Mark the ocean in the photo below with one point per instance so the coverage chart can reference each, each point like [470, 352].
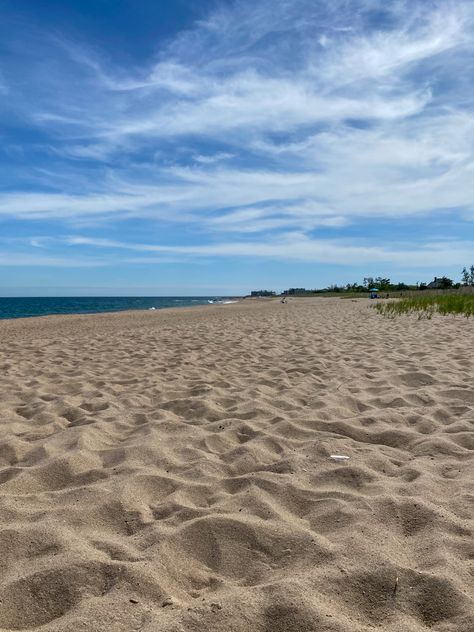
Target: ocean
[45, 306]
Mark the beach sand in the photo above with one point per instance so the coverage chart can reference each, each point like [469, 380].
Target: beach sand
[170, 471]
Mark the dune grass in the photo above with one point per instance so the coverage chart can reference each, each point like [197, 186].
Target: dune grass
[426, 306]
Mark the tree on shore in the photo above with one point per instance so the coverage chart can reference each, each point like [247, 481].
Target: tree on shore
[379, 282]
[445, 283]
[468, 276]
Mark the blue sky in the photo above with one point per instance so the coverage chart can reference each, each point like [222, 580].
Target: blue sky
[216, 147]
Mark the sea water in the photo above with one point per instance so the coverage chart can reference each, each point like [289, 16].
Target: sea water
[45, 306]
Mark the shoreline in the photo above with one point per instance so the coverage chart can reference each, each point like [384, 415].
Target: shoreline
[119, 311]
[247, 300]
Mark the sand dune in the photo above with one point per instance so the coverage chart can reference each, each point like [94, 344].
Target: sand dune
[171, 471]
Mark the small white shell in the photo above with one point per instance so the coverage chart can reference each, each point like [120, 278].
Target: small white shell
[339, 457]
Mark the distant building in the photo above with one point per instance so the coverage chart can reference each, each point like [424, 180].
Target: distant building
[295, 290]
[436, 284]
[255, 293]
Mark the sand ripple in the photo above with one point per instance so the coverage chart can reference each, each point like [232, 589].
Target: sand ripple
[170, 471]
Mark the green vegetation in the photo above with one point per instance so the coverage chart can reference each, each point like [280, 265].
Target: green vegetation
[385, 287]
[426, 306]
[467, 276]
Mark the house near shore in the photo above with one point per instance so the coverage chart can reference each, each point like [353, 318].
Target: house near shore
[436, 284]
[256, 293]
[295, 291]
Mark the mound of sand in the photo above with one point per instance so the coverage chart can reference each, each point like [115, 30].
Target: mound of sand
[171, 471]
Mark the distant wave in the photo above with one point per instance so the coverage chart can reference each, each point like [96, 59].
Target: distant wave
[222, 301]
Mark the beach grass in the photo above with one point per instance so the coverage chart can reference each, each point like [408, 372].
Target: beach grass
[426, 306]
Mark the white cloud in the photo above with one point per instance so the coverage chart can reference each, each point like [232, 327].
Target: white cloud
[422, 35]
[209, 159]
[16, 259]
[289, 116]
[299, 247]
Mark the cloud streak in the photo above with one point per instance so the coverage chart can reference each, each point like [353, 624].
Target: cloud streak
[260, 121]
[298, 247]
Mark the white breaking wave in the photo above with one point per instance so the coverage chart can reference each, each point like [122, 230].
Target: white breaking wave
[217, 301]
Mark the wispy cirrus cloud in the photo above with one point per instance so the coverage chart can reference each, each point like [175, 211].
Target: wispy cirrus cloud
[27, 260]
[260, 122]
[300, 247]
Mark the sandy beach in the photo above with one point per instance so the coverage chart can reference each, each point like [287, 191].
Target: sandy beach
[171, 470]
